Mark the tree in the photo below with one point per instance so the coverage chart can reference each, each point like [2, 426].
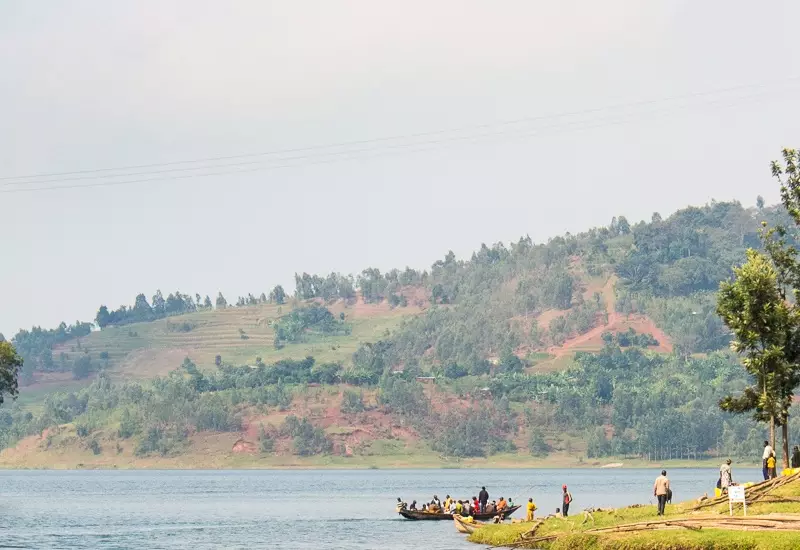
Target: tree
[159, 304]
[278, 295]
[207, 303]
[103, 317]
[222, 303]
[760, 203]
[10, 365]
[762, 324]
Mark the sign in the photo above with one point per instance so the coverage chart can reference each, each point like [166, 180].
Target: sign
[736, 494]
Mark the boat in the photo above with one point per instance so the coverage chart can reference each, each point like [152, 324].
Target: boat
[466, 527]
[420, 515]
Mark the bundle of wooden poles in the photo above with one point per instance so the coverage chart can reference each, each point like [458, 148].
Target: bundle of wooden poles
[755, 493]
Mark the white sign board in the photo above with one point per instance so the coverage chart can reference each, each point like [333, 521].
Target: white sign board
[736, 494]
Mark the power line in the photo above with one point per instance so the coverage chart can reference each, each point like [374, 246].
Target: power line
[394, 138]
[357, 154]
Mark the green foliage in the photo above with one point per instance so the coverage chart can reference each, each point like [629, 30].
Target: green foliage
[10, 364]
[472, 432]
[142, 311]
[404, 397]
[265, 442]
[352, 402]
[129, 424]
[307, 440]
[313, 318]
[537, 445]
[163, 441]
[82, 366]
[629, 338]
[94, 446]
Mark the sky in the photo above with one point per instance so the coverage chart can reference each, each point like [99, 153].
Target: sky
[569, 113]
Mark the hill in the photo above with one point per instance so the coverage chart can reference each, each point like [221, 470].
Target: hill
[600, 344]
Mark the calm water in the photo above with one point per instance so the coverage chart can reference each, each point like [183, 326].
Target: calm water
[295, 509]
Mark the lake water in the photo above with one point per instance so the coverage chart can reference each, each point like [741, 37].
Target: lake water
[319, 509]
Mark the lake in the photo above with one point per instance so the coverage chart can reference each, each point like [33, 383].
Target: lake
[298, 509]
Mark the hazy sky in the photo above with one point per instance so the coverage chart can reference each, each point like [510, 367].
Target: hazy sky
[96, 84]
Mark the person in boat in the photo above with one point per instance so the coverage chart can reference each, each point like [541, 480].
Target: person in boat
[458, 508]
[425, 507]
[483, 498]
[490, 509]
[796, 457]
[413, 505]
[510, 503]
[476, 506]
[501, 504]
[725, 476]
[437, 502]
[447, 502]
[566, 499]
[433, 508]
[400, 504]
[531, 508]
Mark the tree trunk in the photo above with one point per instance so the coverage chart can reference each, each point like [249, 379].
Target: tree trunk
[772, 431]
[785, 434]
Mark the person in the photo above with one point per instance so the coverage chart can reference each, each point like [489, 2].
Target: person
[510, 503]
[772, 472]
[725, 476]
[660, 490]
[425, 507]
[434, 508]
[458, 507]
[413, 505]
[400, 504]
[566, 499]
[437, 502]
[501, 504]
[483, 498]
[476, 506]
[531, 508]
[447, 502]
[796, 457]
[767, 452]
[491, 508]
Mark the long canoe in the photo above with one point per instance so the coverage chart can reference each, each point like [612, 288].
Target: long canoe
[464, 526]
[420, 515]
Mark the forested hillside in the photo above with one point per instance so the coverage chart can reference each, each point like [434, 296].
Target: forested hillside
[597, 344]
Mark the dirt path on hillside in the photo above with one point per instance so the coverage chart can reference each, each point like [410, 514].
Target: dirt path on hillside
[613, 319]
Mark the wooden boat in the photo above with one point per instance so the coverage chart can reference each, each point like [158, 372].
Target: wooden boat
[420, 515]
[466, 527]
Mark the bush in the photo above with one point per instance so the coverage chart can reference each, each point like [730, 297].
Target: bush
[161, 440]
[537, 445]
[95, 447]
[128, 425]
[82, 430]
[82, 367]
[352, 403]
[266, 443]
[307, 440]
[454, 370]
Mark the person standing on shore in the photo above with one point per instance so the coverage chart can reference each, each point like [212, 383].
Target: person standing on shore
[531, 508]
[566, 499]
[725, 476]
[483, 498]
[796, 457]
[767, 453]
[660, 490]
[771, 470]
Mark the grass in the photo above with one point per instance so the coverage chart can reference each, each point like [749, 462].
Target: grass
[573, 530]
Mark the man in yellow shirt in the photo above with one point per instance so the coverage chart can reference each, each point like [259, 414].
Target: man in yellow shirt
[447, 502]
[531, 509]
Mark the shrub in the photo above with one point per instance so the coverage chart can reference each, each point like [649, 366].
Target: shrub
[537, 445]
[128, 425]
[95, 447]
[352, 402]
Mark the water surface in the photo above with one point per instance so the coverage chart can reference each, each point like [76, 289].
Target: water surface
[301, 509]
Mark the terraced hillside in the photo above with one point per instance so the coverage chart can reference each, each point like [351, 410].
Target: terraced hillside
[239, 335]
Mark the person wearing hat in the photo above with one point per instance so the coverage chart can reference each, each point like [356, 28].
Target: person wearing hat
[566, 499]
[725, 476]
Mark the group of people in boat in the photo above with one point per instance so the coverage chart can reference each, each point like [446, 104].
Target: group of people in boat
[481, 505]
[462, 507]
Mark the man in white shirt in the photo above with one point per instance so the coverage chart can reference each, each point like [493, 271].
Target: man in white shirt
[768, 452]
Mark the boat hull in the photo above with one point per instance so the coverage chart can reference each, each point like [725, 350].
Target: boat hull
[465, 527]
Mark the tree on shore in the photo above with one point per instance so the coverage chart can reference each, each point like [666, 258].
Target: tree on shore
[10, 365]
[762, 324]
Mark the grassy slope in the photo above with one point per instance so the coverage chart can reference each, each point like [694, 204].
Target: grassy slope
[707, 538]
